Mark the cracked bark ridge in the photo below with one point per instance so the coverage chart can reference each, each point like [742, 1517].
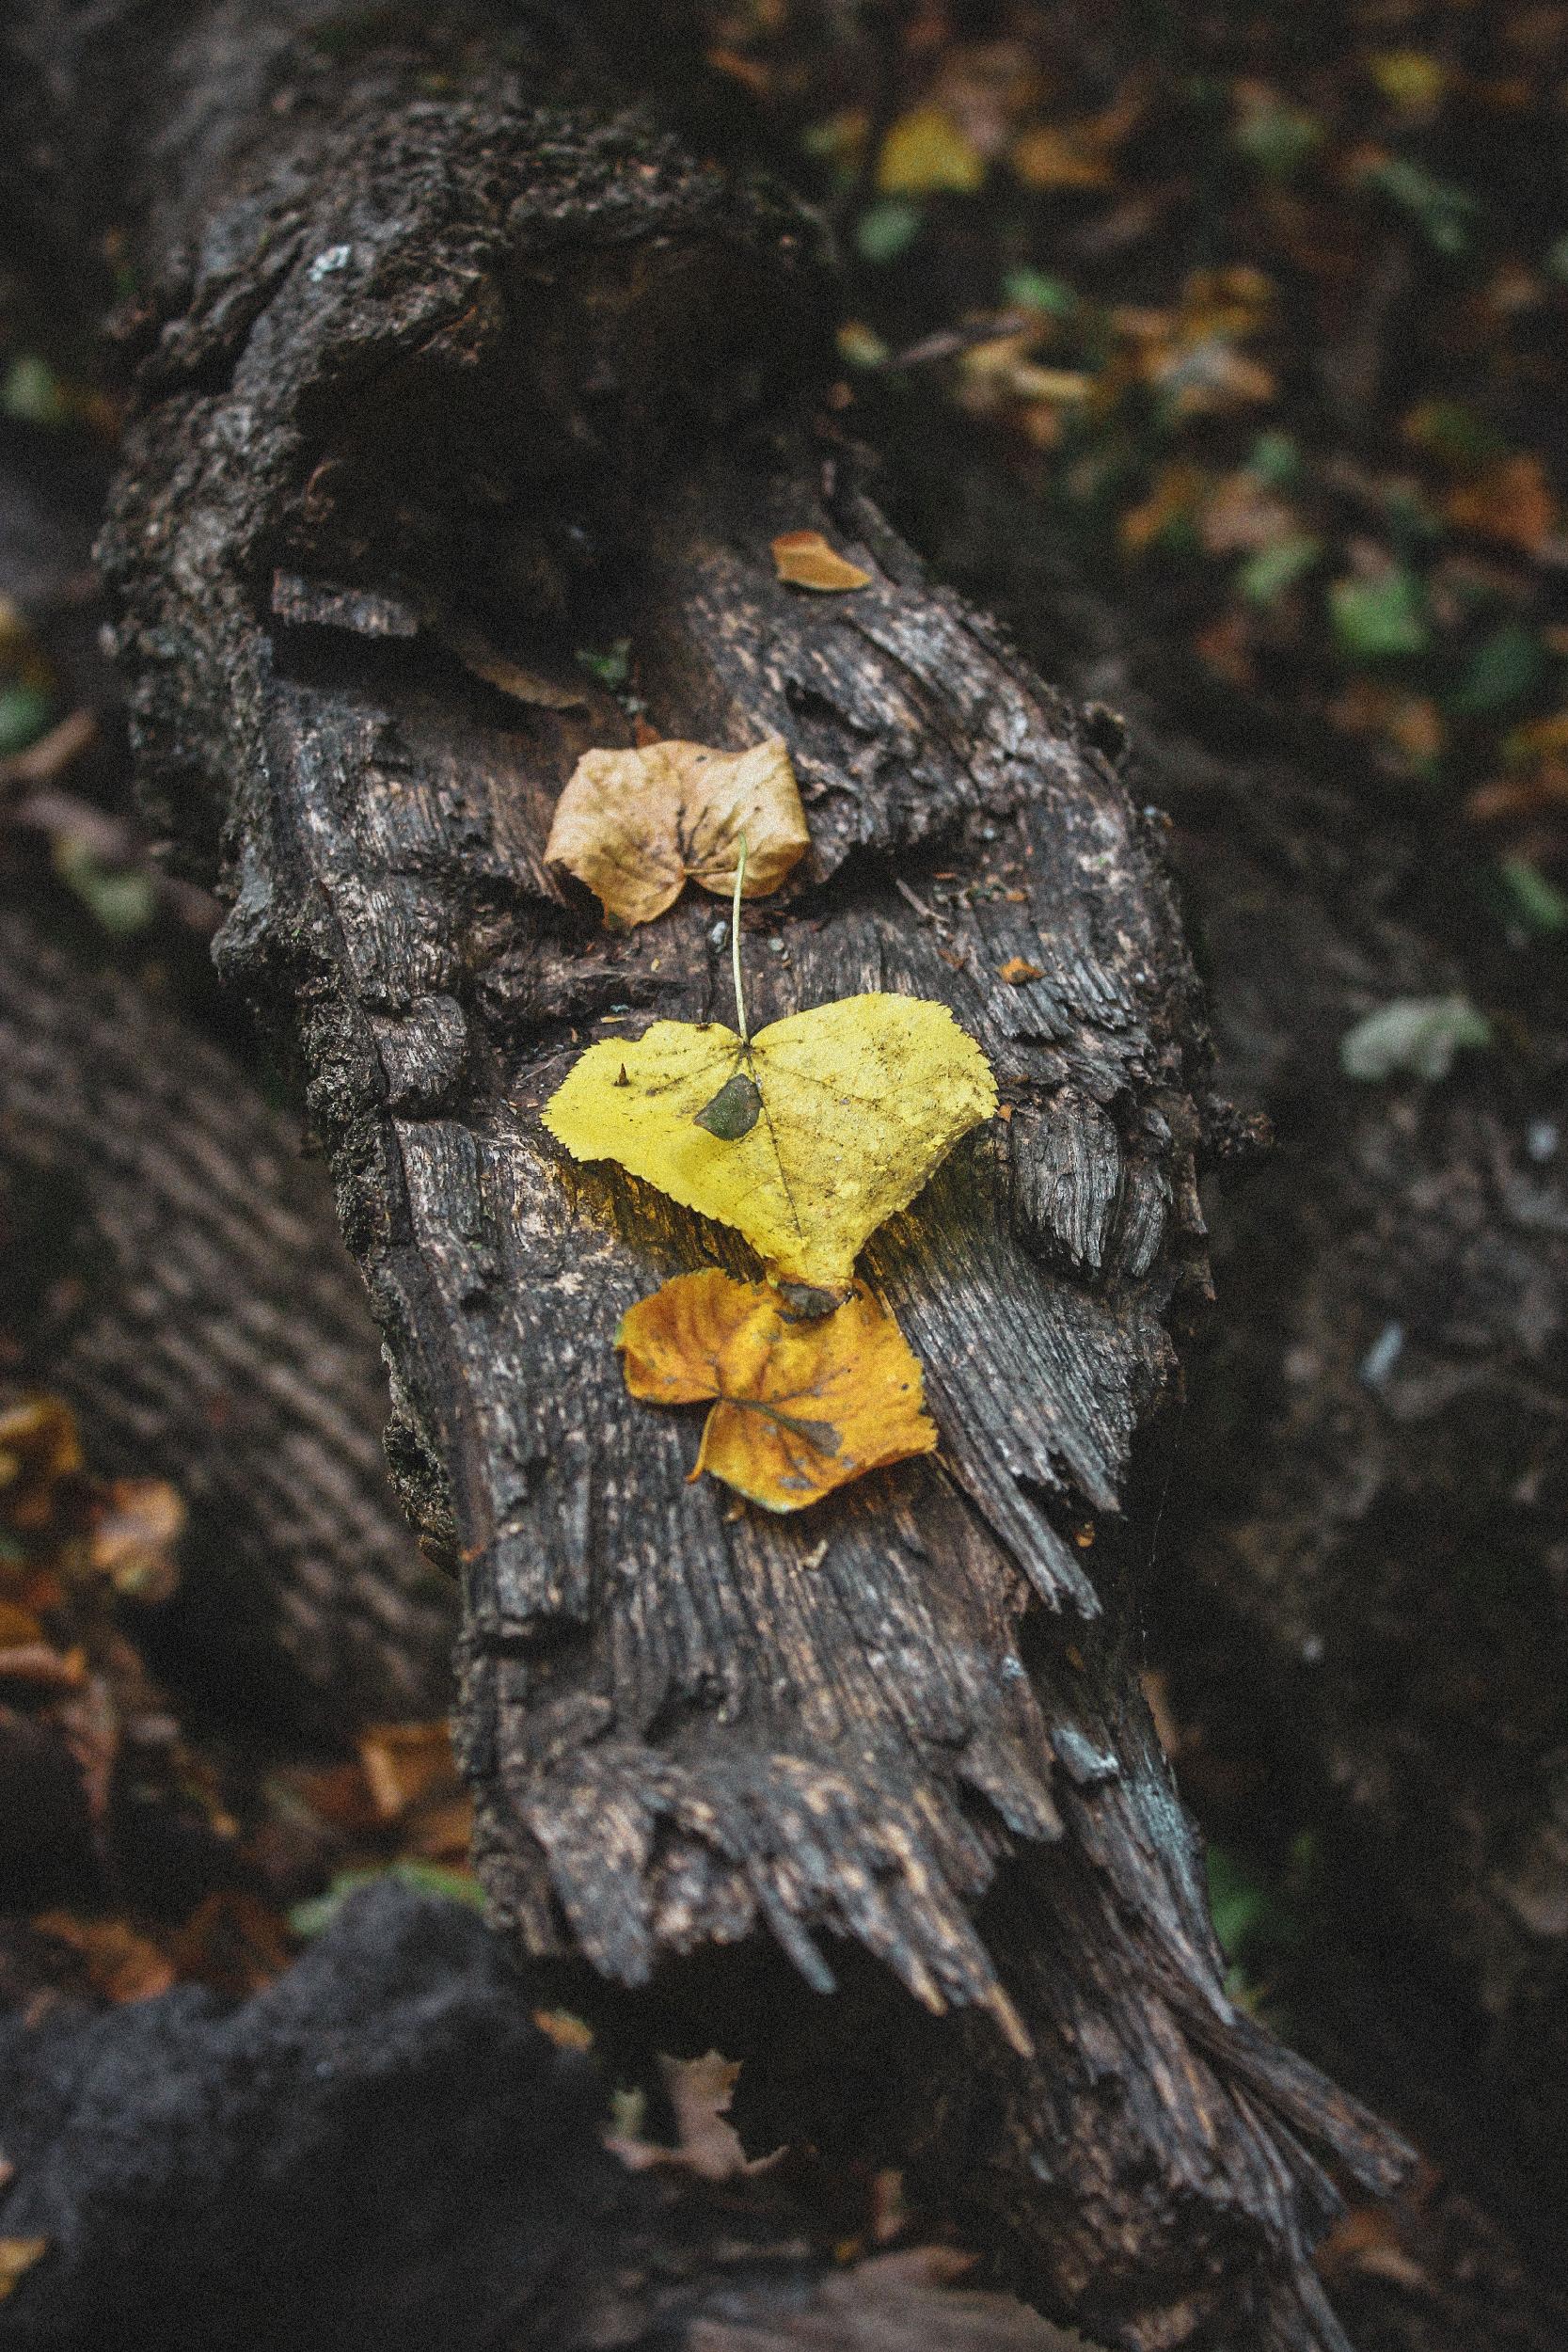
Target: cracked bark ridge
[462, 355]
[193, 1302]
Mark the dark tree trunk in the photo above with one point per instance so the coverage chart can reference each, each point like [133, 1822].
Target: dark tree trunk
[425, 356]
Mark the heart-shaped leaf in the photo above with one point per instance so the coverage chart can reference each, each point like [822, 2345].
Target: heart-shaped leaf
[860, 1101]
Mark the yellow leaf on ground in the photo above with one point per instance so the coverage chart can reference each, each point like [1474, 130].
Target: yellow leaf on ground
[803, 559]
[1409, 79]
[634, 824]
[18, 2255]
[927, 151]
[856, 1102]
[799, 1407]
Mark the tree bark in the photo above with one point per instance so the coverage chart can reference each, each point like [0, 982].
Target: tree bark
[424, 359]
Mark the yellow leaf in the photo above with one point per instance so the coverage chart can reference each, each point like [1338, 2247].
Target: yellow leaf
[857, 1103]
[634, 824]
[17, 2255]
[926, 151]
[1409, 79]
[803, 559]
[799, 1407]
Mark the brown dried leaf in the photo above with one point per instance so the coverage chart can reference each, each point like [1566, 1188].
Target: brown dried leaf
[38, 1447]
[1510, 501]
[133, 1540]
[497, 669]
[1061, 155]
[803, 559]
[120, 1965]
[406, 1762]
[634, 825]
[233, 1942]
[700, 2092]
[39, 1664]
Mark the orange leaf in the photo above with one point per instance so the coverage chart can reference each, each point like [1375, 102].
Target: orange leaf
[406, 1762]
[19, 1628]
[1061, 155]
[1017, 970]
[799, 1407]
[803, 559]
[1509, 501]
[18, 2254]
[120, 1963]
[635, 825]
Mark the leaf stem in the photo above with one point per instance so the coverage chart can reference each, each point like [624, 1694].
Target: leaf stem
[735, 944]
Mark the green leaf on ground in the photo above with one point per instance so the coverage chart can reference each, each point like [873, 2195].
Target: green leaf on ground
[1375, 618]
[612, 667]
[1277, 139]
[1274, 458]
[1269, 575]
[1532, 900]
[121, 898]
[23, 715]
[1445, 214]
[30, 392]
[1239, 1904]
[315, 1915]
[885, 231]
[1032, 290]
[1413, 1036]
[1504, 670]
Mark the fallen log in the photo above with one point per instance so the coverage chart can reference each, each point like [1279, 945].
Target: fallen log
[423, 362]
